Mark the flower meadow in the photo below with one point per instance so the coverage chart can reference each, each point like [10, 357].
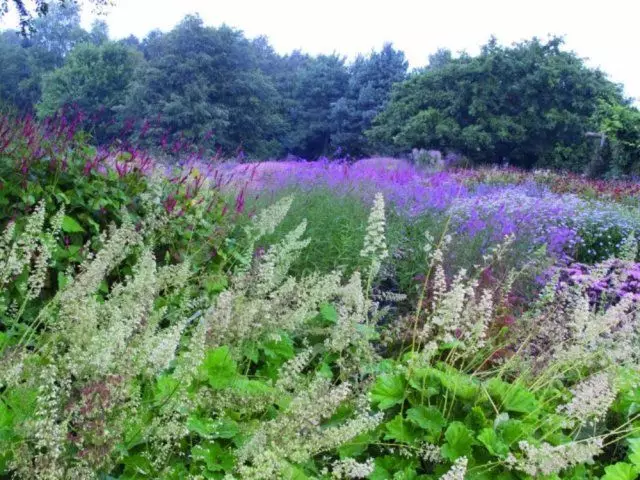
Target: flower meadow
[310, 320]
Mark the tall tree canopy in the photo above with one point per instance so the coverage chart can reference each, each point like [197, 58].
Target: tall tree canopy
[15, 70]
[368, 90]
[529, 104]
[200, 81]
[27, 60]
[95, 79]
[322, 81]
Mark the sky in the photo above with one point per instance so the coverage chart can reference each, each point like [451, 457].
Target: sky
[605, 32]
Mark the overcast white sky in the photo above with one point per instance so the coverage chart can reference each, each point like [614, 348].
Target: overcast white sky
[607, 32]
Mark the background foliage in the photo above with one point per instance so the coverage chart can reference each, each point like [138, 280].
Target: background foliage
[202, 89]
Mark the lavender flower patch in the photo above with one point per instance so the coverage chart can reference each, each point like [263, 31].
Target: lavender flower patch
[570, 226]
[404, 186]
[523, 210]
[605, 283]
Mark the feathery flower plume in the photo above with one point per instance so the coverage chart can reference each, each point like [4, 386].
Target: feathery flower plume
[375, 244]
[547, 459]
[457, 470]
[591, 400]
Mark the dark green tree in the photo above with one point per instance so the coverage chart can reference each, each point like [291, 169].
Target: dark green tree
[319, 82]
[15, 70]
[99, 33]
[57, 33]
[200, 79]
[619, 151]
[94, 79]
[131, 41]
[284, 72]
[440, 58]
[370, 82]
[54, 37]
[528, 104]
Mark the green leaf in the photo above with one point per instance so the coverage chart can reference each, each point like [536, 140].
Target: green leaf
[476, 419]
[294, 472]
[328, 313]
[380, 473]
[489, 438]
[389, 390]
[216, 285]
[72, 252]
[137, 465]
[220, 368]
[61, 197]
[205, 427]
[250, 350]
[383, 366]
[4, 463]
[428, 418]
[281, 350]
[214, 456]
[401, 430]
[512, 397]
[459, 441]
[62, 280]
[324, 370]
[71, 225]
[389, 466]
[634, 454]
[512, 431]
[408, 473]
[226, 428]
[620, 471]
[6, 423]
[358, 445]
[103, 287]
[176, 471]
[95, 226]
[165, 387]
[252, 387]
[459, 384]
[209, 428]
[426, 381]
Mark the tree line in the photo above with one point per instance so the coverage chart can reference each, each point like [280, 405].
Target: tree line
[531, 104]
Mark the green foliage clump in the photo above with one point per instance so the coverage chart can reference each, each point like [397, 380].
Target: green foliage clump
[532, 104]
[620, 125]
[528, 105]
[316, 88]
[212, 87]
[370, 83]
[95, 80]
[49, 167]
[199, 81]
[30, 59]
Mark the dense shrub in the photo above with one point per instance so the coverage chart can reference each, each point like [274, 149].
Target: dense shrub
[491, 109]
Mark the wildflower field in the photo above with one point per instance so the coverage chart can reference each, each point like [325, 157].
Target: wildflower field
[311, 320]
